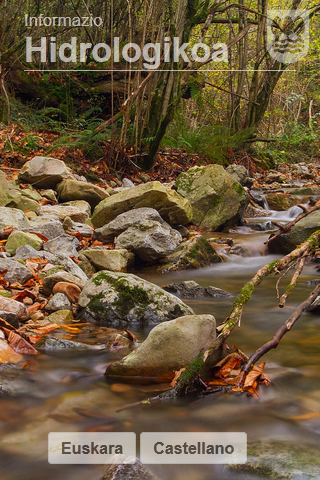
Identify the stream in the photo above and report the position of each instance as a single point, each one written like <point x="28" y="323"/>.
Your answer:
<point x="66" y="390"/>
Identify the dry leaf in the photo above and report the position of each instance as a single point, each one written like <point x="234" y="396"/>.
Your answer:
<point x="7" y="354"/>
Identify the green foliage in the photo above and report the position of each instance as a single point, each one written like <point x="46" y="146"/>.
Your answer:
<point x="212" y="142"/>
<point x="297" y="143"/>
<point x="87" y="139"/>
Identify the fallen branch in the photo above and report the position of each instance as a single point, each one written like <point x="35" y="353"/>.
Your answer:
<point x="286" y="228"/>
<point x="243" y="298"/>
<point x="274" y="342"/>
<point x="293" y="282"/>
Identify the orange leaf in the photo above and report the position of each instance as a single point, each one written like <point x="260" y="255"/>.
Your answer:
<point x="20" y="345"/>
<point x="7" y="354"/>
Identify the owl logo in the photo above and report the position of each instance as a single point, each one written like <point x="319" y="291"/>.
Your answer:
<point x="288" y="35"/>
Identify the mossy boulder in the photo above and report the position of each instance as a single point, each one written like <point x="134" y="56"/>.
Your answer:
<point x="111" y="297"/>
<point x="298" y="234"/>
<point x="193" y="253"/>
<point x="168" y="347"/>
<point x="77" y="190"/>
<point x="217" y="200"/>
<point x="16" y="239"/>
<point x="173" y="208"/>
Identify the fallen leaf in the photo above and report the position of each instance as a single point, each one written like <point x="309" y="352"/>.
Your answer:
<point x="7" y="354"/>
<point x="20" y="345"/>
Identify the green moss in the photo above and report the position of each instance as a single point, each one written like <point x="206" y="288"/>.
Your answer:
<point x="245" y="295"/>
<point x="128" y="296"/>
<point x="272" y="266"/>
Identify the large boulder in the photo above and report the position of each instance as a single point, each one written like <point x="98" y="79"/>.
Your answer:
<point x="126" y="220"/>
<point x="217" y="199"/>
<point x="149" y="240"/>
<point x="76" y="190"/>
<point x="115" y="260"/>
<point x="297" y="234"/>
<point x="12" y="217"/>
<point x="125" y="298"/>
<point x="194" y="253"/>
<point x="168" y="347"/>
<point x="43" y="172"/>
<point x="173" y="208"/>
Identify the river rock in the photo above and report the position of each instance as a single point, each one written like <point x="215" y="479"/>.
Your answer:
<point x="253" y="210"/>
<point x="50" y="229"/>
<point x="4" y="190"/>
<point x="78" y="211"/>
<point x="61" y="317"/>
<point x="23" y="203"/>
<point x="16" y="272"/>
<point x="50" y="281"/>
<point x="49" y="194"/>
<point x="76" y="227"/>
<point x="168" y="347"/>
<point x="191" y="289"/>
<point x="217" y="199"/>
<point x="280" y="461"/>
<point x="68" y="264"/>
<point x="11" y="318"/>
<point x="240" y="174"/>
<point x="26" y="251"/>
<point x="17" y="239"/>
<point x="115" y="260"/>
<point x="149" y="240"/>
<point x="127" y="471"/>
<point x="298" y="234"/>
<point x="172" y="207"/>
<point x="194" y="253"/>
<point x="74" y="190"/>
<point x="126" y="220"/>
<point x="59" y="301"/>
<point x="13" y="217"/>
<point x="43" y="172"/>
<point x="12" y="306"/>
<point x="315" y="306"/>
<point x="282" y="201"/>
<point x="125" y="298"/>
<point x="49" y="342"/>
<point x="64" y="244"/>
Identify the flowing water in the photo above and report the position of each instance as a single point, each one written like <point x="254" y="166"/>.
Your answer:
<point x="66" y="390"/>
